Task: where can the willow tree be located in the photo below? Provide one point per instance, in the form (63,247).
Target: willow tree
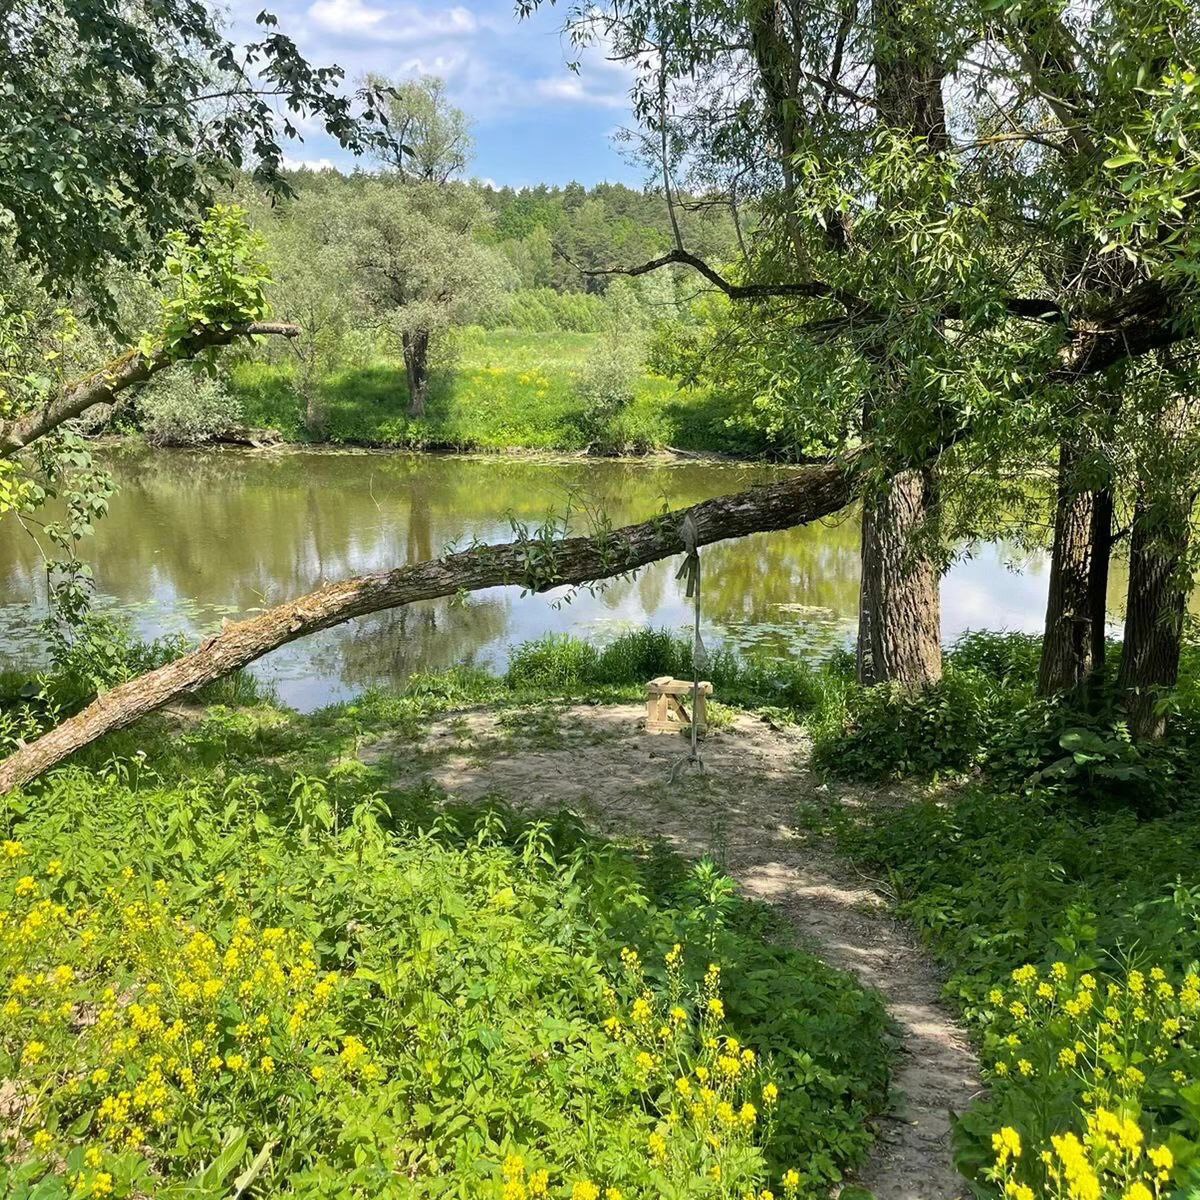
(419,268)
(121,126)
(947,198)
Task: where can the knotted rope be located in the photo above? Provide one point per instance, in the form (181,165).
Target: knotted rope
(690,570)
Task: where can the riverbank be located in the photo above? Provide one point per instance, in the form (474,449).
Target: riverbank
(504,390)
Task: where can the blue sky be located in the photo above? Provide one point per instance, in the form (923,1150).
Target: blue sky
(533,119)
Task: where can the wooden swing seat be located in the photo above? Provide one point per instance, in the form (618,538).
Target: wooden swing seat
(665,710)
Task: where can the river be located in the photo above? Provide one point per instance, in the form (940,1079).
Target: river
(194,537)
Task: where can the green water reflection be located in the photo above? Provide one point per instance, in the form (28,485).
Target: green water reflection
(197,536)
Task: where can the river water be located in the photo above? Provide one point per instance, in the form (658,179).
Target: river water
(194,537)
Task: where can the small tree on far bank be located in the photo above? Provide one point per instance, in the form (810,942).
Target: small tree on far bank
(418,269)
(608,382)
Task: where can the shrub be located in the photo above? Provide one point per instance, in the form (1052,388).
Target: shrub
(608,386)
(890,732)
(185,407)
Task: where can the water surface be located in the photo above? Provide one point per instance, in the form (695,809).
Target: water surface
(194,537)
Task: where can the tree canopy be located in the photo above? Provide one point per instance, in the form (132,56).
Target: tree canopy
(118,120)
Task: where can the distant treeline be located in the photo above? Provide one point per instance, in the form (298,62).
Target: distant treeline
(553,235)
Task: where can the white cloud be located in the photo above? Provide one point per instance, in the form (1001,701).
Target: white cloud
(395,23)
(574,90)
(445,64)
(346,16)
(308,164)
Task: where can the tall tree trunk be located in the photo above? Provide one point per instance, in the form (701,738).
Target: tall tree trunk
(1154,611)
(899,632)
(1067,641)
(416,367)
(1102,547)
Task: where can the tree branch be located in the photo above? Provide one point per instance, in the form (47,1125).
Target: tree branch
(1029,308)
(100,387)
(805,496)
(812,289)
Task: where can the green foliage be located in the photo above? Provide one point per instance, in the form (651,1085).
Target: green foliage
(996,880)
(607,388)
(562,664)
(1095,1079)
(335,983)
(216,279)
(505,389)
(184,407)
(543,310)
(109,134)
(415,258)
(431,137)
(984,717)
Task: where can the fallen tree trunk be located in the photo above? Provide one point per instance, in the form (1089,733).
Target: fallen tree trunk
(534,563)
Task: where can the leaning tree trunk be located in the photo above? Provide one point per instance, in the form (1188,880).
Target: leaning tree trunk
(899,633)
(809,494)
(1154,612)
(416,367)
(1067,641)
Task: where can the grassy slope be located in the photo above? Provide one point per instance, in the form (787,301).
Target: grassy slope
(508,389)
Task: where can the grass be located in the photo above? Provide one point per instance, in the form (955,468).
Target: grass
(507,389)
(1057,878)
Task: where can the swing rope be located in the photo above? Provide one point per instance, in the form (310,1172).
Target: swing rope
(690,571)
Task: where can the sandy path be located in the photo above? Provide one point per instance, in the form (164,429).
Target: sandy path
(598,761)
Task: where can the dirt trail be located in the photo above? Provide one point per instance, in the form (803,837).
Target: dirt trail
(598,761)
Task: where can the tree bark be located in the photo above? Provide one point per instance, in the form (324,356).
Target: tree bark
(899,632)
(1154,612)
(1102,547)
(1067,643)
(416,367)
(101,386)
(807,495)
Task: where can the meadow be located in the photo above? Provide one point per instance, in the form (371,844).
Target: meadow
(259,924)
(502,389)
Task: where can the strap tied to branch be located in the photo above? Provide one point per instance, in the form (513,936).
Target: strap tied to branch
(689,569)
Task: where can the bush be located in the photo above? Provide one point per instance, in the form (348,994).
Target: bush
(607,387)
(185,407)
(890,732)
